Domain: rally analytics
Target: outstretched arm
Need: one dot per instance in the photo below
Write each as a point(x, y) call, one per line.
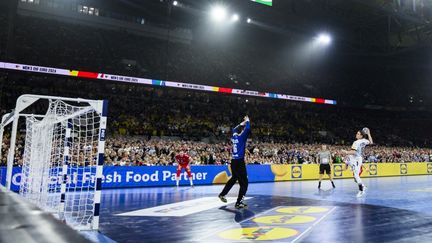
point(370, 137)
point(243, 123)
point(235, 129)
point(246, 124)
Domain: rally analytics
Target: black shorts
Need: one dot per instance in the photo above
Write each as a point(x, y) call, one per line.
point(326, 168)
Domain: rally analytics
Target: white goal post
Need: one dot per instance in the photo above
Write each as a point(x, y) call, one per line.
point(63, 157)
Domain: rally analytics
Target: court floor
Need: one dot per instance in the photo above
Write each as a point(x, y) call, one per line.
point(394, 209)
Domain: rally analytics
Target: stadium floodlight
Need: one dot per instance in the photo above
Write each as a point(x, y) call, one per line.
point(175, 3)
point(218, 13)
point(249, 20)
point(324, 39)
point(235, 18)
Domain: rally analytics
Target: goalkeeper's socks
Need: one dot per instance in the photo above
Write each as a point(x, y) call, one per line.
point(191, 182)
point(177, 181)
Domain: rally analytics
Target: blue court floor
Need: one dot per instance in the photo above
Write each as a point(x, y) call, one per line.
point(394, 209)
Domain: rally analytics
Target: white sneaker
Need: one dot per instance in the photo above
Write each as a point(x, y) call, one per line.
point(360, 193)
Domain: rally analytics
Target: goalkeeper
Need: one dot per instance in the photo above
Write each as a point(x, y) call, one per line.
point(238, 166)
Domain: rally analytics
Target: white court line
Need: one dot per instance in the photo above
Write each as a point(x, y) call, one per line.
point(313, 225)
point(231, 225)
point(181, 209)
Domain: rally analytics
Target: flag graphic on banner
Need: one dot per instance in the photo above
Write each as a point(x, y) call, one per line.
point(266, 2)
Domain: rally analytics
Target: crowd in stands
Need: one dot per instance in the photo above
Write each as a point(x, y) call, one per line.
point(139, 151)
point(147, 125)
point(19, 151)
point(137, 110)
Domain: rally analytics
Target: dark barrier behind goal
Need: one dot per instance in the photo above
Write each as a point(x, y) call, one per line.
point(23, 222)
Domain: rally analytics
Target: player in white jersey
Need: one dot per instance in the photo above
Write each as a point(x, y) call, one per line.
point(355, 156)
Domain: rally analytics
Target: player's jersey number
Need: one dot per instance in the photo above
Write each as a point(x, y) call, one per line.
point(235, 148)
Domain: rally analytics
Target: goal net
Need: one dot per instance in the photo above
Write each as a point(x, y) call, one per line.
point(62, 161)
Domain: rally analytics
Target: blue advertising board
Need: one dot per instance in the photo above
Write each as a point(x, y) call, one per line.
point(148, 176)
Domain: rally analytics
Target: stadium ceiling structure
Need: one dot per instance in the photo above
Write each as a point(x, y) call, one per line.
point(391, 26)
point(382, 27)
point(360, 27)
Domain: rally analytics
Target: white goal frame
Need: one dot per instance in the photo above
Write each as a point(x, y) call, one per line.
point(26, 100)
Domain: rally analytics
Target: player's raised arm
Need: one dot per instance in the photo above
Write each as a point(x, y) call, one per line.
point(369, 136)
point(236, 129)
point(242, 124)
point(247, 127)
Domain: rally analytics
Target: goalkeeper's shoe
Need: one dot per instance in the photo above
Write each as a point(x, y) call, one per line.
point(360, 193)
point(240, 205)
point(222, 198)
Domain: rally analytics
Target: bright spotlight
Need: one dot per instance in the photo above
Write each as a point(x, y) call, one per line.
point(218, 13)
point(324, 39)
point(175, 3)
point(235, 18)
point(248, 20)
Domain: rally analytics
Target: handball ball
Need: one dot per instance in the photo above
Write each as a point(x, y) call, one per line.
point(365, 130)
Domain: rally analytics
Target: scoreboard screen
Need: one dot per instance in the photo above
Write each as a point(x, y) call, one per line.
point(266, 2)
